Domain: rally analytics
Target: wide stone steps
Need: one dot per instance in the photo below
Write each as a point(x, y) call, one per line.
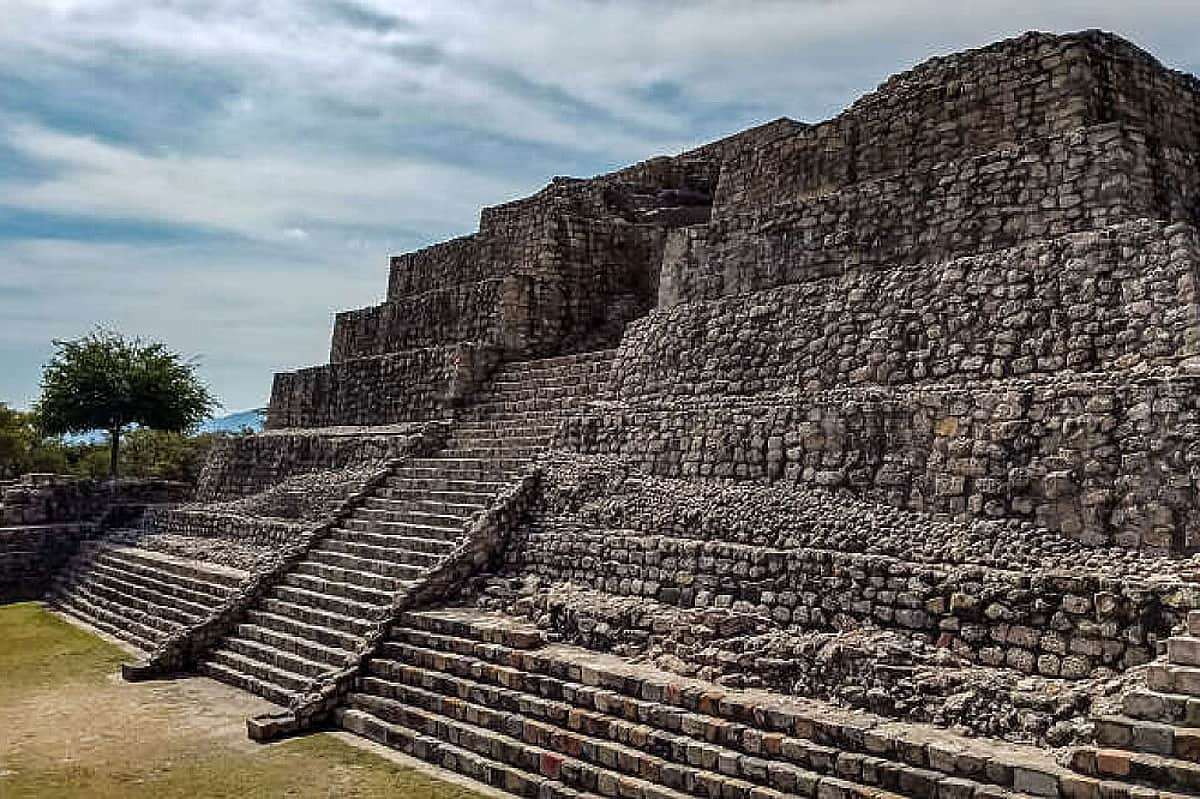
point(1154, 772)
point(435, 505)
point(337, 590)
point(413, 516)
point(331, 637)
point(341, 575)
point(117, 624)
point(472, 764)
point(138, 595)
point(457, 676)
point(307, 615)
point(471, 492)
point(234, 675)
point(403, 566)
point(397, 549)
point(405, 529)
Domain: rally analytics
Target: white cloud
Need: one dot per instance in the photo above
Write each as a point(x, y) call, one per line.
point(299, 134)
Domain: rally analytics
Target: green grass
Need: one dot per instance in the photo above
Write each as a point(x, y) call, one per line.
point(40, 650)
point(70, 730)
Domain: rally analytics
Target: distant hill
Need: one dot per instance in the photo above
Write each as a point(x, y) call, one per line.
point(251, 420)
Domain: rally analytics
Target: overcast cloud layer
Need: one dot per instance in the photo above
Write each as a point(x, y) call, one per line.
point(224, 175)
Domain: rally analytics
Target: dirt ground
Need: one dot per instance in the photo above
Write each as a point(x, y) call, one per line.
point(70, 727)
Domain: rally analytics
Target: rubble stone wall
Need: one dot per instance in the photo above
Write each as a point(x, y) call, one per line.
point(1119, 298)
point(414, 385)
point(461, 312)
point(1096, 458)
point(239, 466)
point(1055, 624)
point(1086, 180)
point(1024, 88)
point(30, 556)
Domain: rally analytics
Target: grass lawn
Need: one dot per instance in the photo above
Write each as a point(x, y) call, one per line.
point(70, 729)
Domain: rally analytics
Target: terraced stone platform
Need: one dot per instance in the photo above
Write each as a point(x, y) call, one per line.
point(848, 459)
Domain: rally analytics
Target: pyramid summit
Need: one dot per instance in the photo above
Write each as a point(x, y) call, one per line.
point(855, 458)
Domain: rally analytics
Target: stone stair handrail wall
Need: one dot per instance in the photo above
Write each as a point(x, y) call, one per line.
point(483, 544)
point(182, 650)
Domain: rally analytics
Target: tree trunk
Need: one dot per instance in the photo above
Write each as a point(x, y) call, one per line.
point(114, 438)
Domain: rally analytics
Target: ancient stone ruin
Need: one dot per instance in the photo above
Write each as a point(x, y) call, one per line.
point(838, 460)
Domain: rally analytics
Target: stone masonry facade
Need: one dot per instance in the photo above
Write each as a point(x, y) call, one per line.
point(848, 459)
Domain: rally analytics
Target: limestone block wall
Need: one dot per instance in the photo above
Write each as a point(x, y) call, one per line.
point(461, 312)
point(1118, 298)
point(1086, 180)
point(414, 385)
point(1033, 86)
point(1103, 459)
point(239, 466)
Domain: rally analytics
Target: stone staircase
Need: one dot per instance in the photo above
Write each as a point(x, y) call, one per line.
point(1155, 742)
point(313, 622)
point(479, 693)
point(138, 595)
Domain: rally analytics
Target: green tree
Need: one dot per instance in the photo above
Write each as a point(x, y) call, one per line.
point(23, 450)
point(105, 381)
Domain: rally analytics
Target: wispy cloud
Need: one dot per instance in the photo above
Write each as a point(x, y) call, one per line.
point(225, 174)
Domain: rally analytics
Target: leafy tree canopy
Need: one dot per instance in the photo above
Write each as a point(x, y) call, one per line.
point(105, 381)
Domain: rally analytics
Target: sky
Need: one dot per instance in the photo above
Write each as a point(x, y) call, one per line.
point(224, 175)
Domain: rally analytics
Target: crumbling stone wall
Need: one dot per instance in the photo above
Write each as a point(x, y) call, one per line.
point(414, 385)
point(1030, 87)
point(1119, 298)
point(46, 499)
point(1094, 457)
point(1087, 180)
point(462, 312)
point(30, 555)
point(239, 466)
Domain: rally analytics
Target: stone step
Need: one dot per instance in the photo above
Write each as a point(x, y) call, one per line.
point(200, 579)
point(247, 682)
point(306, 613)
point(1193, 623)
point(187, 598)
point(498, 469)
point(1169, 708)
point(284, 660)
point(474, 499)
point(1152, 771)
point(119, 595)
point(1183, 650)
point(381, 546)
point(161, 594)
point(299, 628)
point(1164, 677)
point(408, 529)
point(468, 763)
point(440, 487)
point(499, 630)
point(400, 565)
point(337, 574)
point(1151, 737)
point(118, 625)
point(506, 408)
point(679, 762)
point(560, 390)
point(340, 590)
point(413, 516)
point(283, 680)
point(525, 453)
point(322, 601)
point(208, 573)
point(595, 357)
point(435, 505)
point(740, 719)
point(117, 605)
